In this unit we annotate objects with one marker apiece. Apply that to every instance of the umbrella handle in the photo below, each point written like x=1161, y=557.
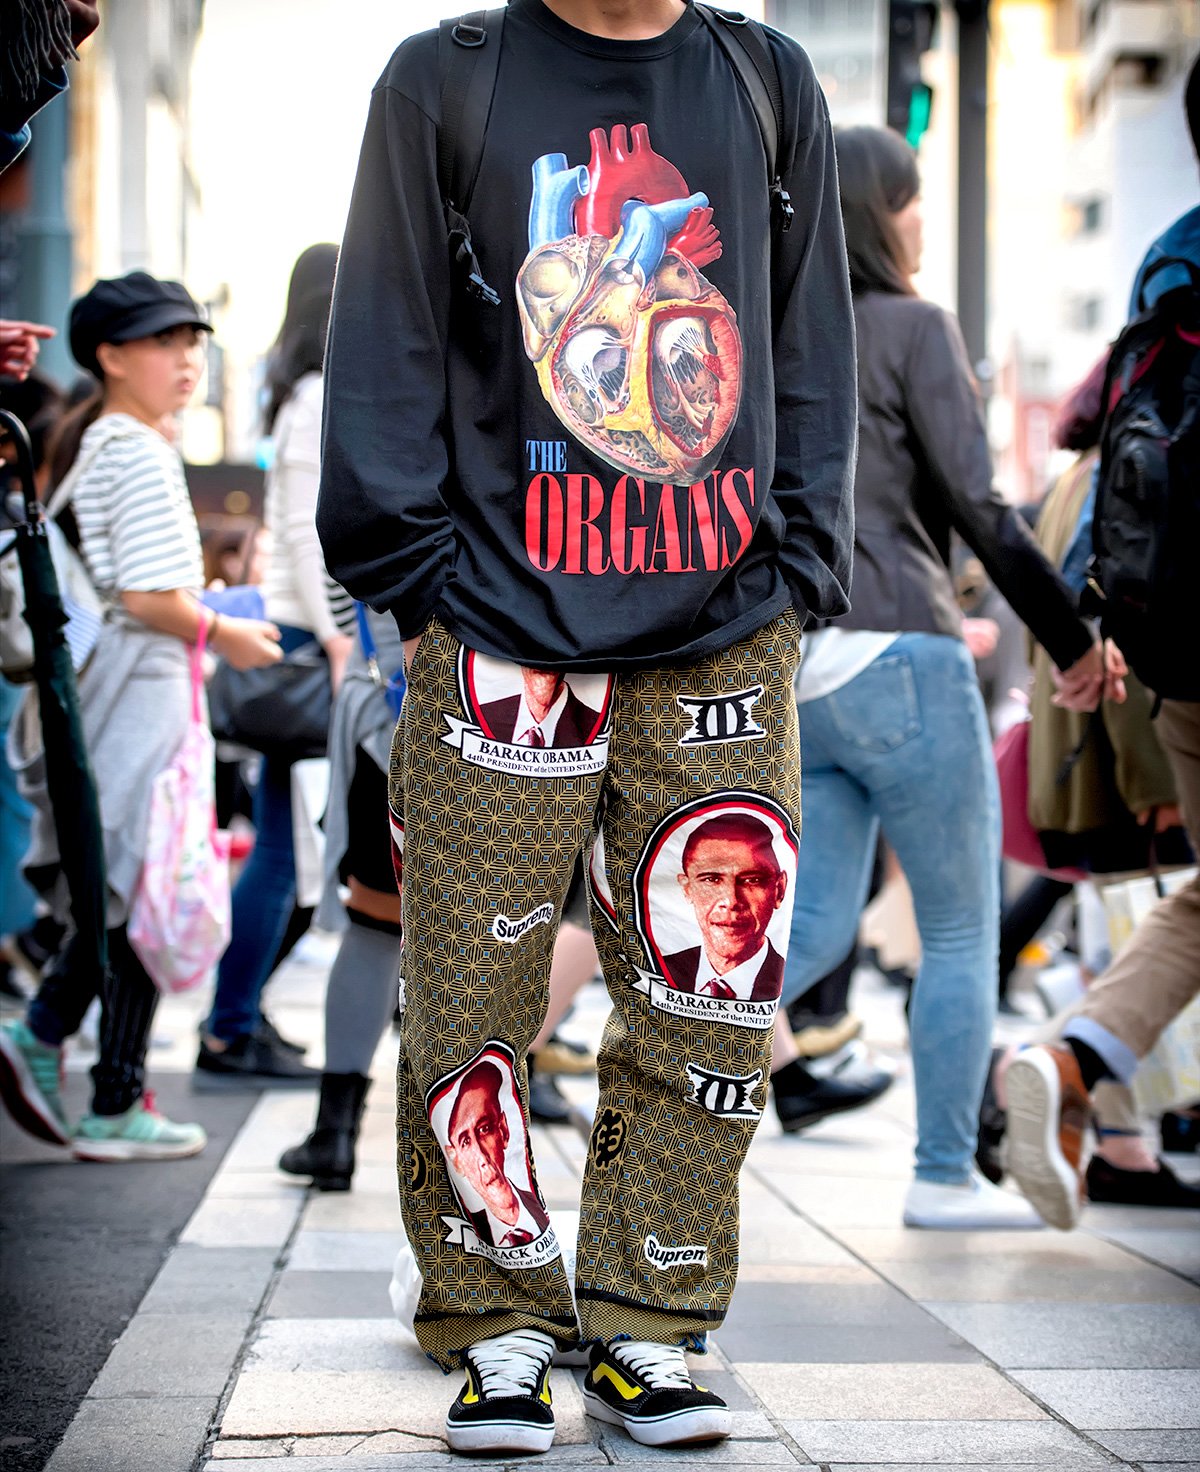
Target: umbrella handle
x=25, y=468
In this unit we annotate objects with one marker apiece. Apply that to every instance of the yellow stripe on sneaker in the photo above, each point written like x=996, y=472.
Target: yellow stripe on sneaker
x=624, y=1389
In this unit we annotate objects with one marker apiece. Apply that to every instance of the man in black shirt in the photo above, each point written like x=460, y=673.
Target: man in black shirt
x=634, y=469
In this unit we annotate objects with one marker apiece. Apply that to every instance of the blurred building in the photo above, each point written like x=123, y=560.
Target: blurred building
x=1091, y=160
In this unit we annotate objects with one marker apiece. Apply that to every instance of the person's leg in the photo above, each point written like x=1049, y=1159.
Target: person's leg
x=363, y=985
x=1118, y=1021
x=936, y=794
x=490, y=833
x=1021, y=920
x=31, y=1049
x=692, y=879
x=17, y=900
x=1156, y=974
x=262, y=902
x=123, y=1124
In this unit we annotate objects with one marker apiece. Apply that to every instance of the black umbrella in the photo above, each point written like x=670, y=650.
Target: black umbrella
x=69, y=780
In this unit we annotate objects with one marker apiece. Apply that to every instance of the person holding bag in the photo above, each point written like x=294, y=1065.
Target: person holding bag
x=894, y=730
x=142, y=338
x=237, y=1041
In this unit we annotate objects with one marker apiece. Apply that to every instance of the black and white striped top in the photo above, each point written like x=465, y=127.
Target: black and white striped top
x=137, y=529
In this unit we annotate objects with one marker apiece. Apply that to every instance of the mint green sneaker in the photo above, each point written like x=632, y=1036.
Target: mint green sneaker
x=141, y=1133
x=30, y=1083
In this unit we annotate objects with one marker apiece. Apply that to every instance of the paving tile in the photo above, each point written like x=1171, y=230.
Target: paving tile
x=936, y=1443
x=1155, y=1399
x=1078, y=1335
x=860, y=1344
x=624, y=1450
x=888, y=1392
x=353, y=1211
x=1175, y=1248
x=1013, y=1279
x=1060, y=1250
x=164, y=1434
x=336, y=1344
x=947, y=1467
x=211, y=1280
x=1175, y=1467
x=1150, y=1446
x=363, y=1252
x=331, y=1296
x=828, y=1274
x=219, y=1222
x=779, y=1236
x=831, y=1323
x=172, y=1354
x=844, y=1201
x=413, y=1402
x=556, y=1457
x=267, y=1185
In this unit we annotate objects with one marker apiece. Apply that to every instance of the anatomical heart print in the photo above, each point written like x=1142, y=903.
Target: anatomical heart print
x=637, y=353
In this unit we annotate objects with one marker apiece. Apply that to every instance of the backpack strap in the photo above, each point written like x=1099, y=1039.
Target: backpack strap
x=469, y=58
x=749, y=54
x=468, y=61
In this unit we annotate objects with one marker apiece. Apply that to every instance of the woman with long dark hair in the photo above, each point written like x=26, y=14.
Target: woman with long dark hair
x=237, y=1039
x=892, y=721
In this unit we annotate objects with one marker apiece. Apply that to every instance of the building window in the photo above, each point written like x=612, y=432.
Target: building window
x=1091, y=215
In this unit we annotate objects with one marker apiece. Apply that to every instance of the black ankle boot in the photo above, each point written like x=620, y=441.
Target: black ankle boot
x=328, y=1153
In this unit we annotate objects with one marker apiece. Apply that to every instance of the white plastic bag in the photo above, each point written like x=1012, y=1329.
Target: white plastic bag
x=405, y=1287
x=179, y=921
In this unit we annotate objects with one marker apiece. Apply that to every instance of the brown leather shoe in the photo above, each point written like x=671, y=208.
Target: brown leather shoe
x=1048, y=1115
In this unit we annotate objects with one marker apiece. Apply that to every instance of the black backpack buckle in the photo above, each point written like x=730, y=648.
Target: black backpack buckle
x=781, y=205
x=466, y=261
x=466, y=34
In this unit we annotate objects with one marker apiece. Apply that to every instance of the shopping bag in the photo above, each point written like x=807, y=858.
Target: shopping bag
x=1169, y=1075
x=179, y=921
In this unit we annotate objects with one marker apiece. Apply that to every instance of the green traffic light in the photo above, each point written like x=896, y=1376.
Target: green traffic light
x=920, y=107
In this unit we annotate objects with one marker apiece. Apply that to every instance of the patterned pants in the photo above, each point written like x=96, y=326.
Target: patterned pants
x=682, y=787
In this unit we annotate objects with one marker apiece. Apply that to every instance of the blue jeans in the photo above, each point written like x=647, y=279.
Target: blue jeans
x=906, y=745
x=263, y=896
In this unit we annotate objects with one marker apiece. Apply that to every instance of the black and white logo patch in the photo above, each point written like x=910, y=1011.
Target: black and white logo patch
x=662, y=1257
x=727, y=1094
x=717, y=718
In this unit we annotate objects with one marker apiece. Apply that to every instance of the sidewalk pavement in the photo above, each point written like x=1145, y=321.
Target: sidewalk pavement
x=268, y=1339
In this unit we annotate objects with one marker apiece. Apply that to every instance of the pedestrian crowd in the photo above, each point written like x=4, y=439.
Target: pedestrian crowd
x=616, y=463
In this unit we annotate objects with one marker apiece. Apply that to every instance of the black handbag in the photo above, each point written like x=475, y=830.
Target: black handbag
x=281, y=709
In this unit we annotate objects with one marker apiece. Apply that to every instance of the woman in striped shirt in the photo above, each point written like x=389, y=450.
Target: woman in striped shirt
x=142, y=339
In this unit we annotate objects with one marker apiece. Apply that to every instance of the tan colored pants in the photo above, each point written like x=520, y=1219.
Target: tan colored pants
x=1158, y=973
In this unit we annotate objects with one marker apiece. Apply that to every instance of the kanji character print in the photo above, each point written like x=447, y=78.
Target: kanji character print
x=689, y=827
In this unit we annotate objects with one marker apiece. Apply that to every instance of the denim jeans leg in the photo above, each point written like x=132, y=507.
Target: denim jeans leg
x=262, y=901
x=941, y=814
x=833, y=873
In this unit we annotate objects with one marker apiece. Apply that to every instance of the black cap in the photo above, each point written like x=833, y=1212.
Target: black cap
x=129, y=307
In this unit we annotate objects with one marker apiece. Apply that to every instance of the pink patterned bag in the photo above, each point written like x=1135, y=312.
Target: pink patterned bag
x=180, y=918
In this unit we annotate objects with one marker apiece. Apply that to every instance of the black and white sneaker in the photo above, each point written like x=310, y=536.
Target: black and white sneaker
x=648, y=1389
x=505, y=1404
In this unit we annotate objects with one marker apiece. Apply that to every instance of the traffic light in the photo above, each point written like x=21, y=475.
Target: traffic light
x=911, y=27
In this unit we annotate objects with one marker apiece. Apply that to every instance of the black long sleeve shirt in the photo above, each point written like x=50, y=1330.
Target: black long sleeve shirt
x=646, y=451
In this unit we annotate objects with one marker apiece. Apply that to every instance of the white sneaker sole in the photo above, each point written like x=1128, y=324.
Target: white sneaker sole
x=1032, y=1153
x=1022, y=1218
x=24, y=1100
x=110, y=1151
x=680, y=1428
x=499, y=1437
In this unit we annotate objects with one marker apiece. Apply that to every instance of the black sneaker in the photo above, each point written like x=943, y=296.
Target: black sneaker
x=505, y=1404
x=547, y=1104
x=268, y=1030
x=648, y=1389
x=251, y=1061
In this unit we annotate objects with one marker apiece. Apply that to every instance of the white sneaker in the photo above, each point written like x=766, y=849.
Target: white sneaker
x=974, y=1206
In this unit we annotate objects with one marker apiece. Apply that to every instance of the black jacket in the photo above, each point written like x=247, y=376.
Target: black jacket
x=924, y=470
